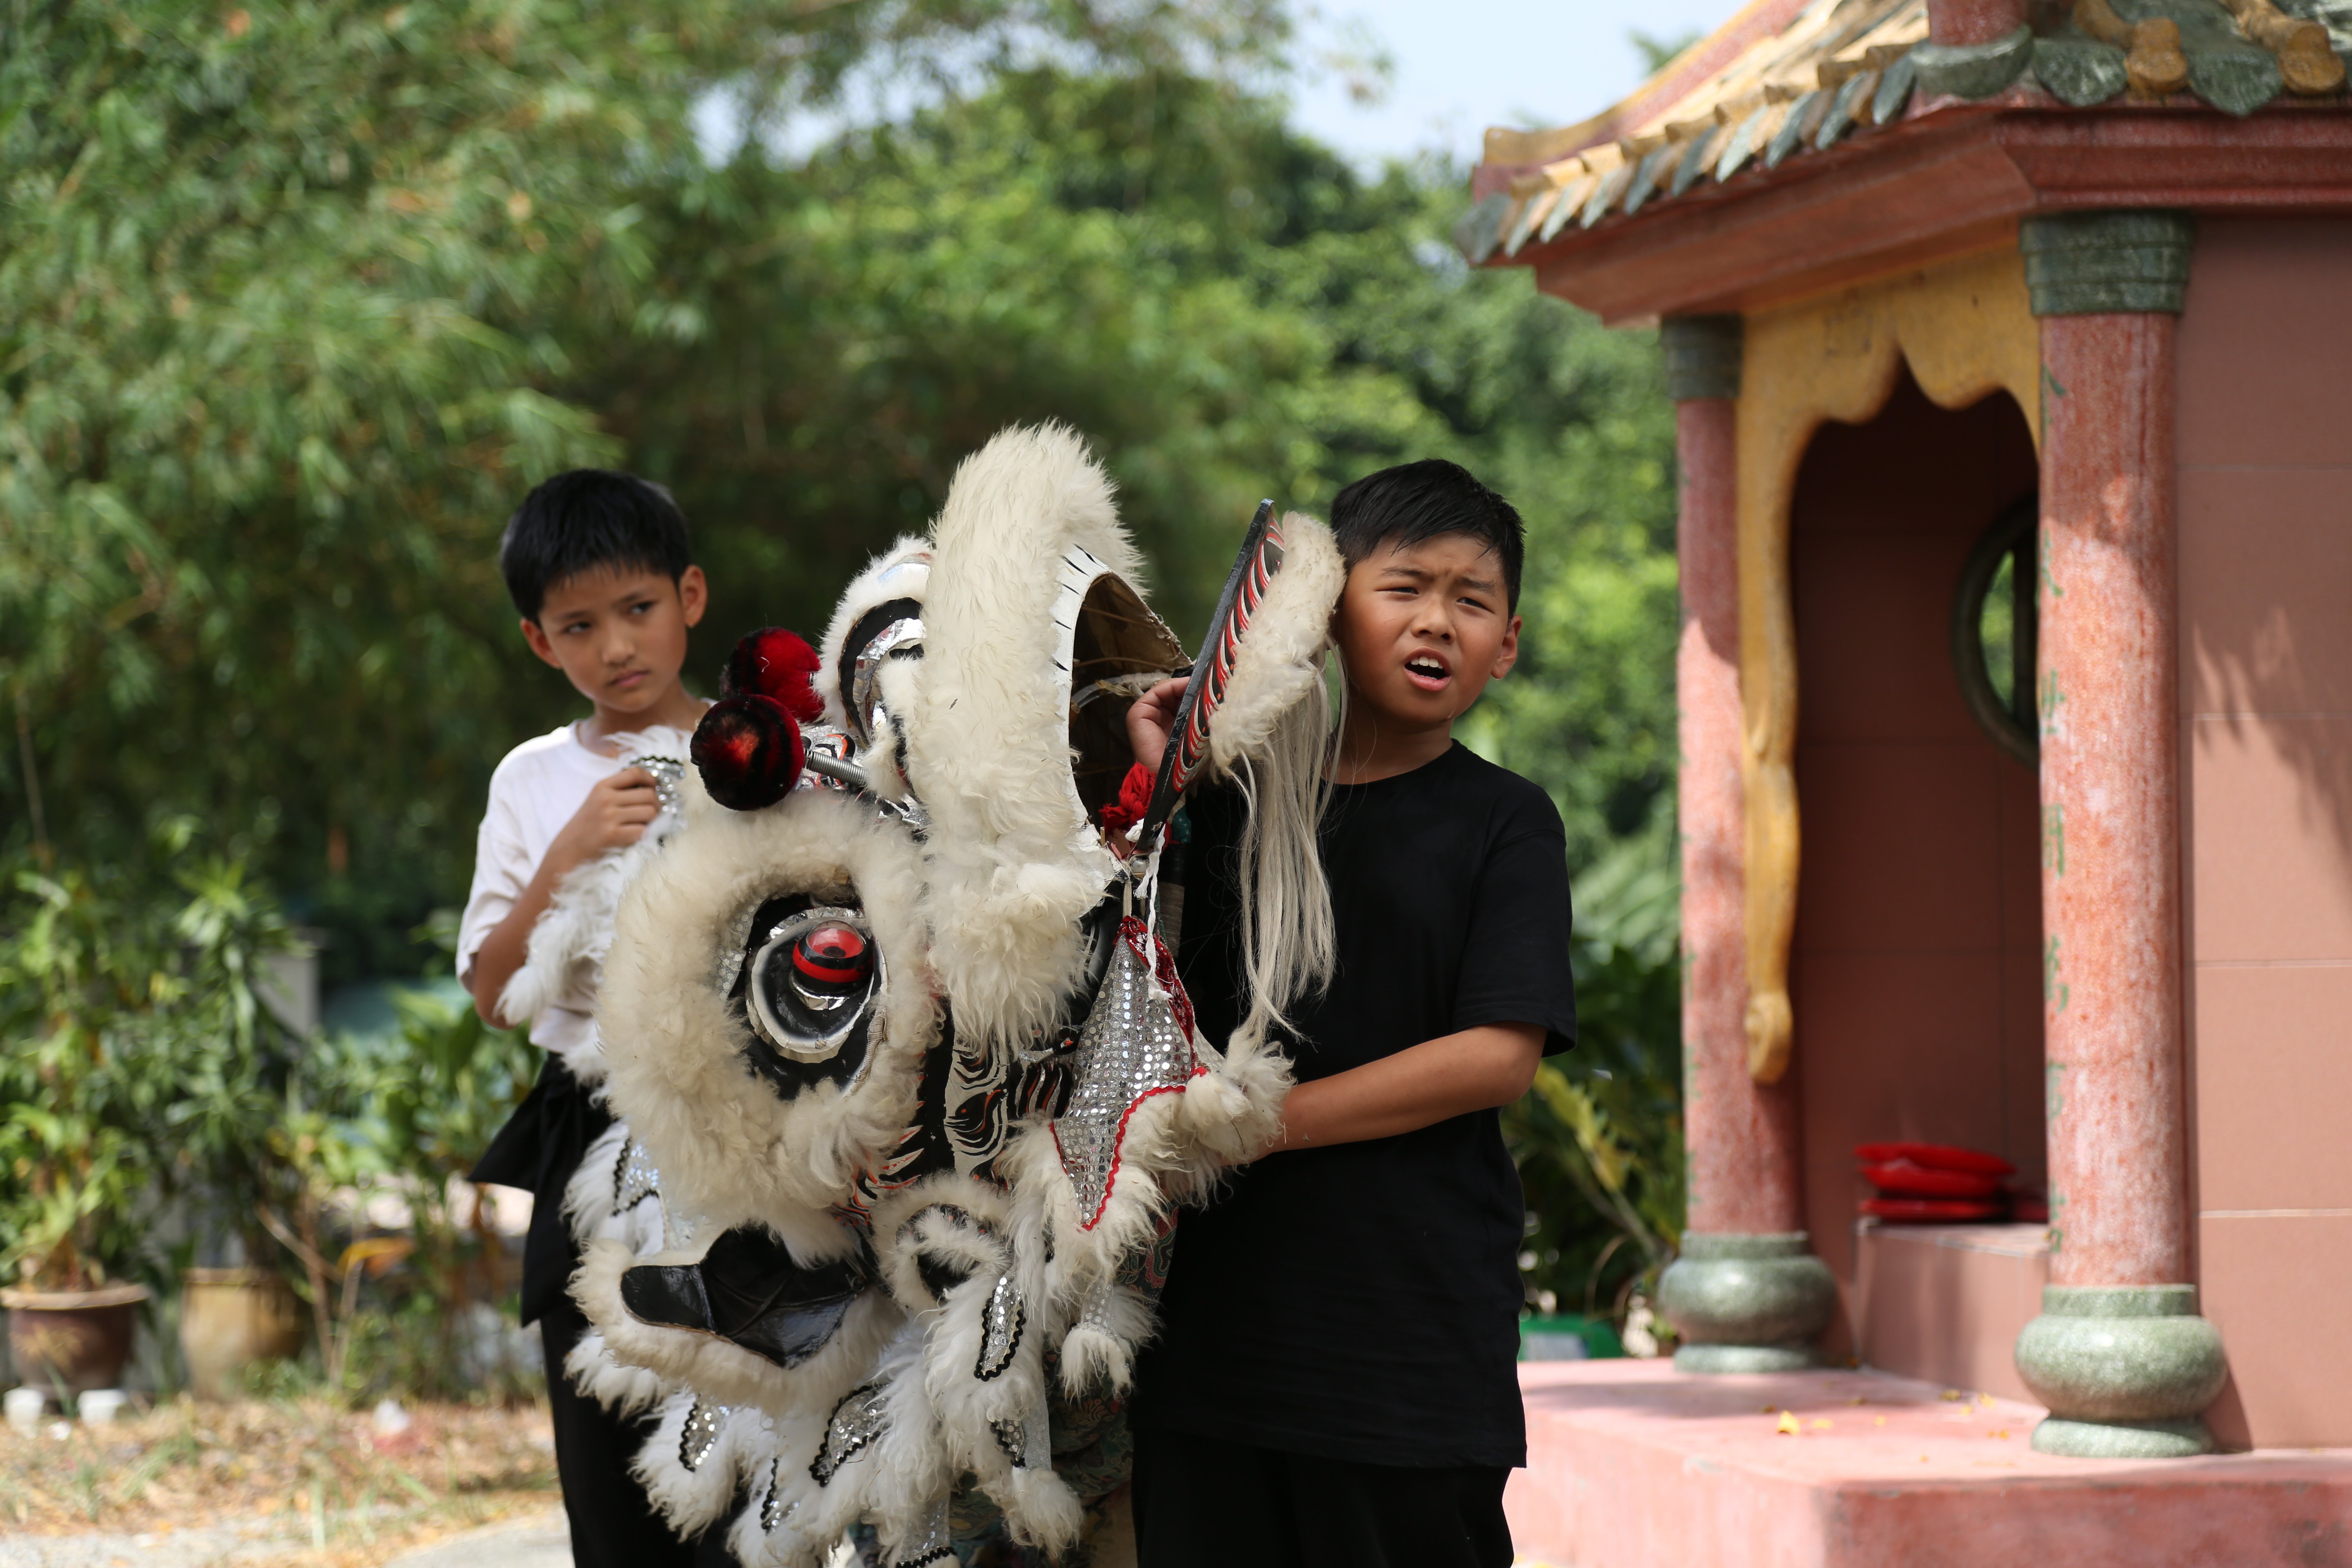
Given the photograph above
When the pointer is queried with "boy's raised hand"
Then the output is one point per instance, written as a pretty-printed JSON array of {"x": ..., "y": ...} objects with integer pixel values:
[
  {"x": 1150, "y": 718},
  {"x": 616, "y": 815}
]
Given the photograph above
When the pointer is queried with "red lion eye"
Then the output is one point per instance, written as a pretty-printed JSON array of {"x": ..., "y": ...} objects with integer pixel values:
[{"x": 832, "y": 955}]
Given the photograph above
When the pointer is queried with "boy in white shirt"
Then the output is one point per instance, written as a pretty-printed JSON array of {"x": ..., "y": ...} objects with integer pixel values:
[{"x": 598, "y": 565}]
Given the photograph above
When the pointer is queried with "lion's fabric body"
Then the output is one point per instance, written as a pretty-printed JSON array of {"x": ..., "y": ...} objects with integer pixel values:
[{"x": 906, "y": 1083}]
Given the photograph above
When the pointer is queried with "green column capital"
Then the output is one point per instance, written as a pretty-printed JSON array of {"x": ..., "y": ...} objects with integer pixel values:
[
  {"x": 2080, "y": 264},
  {"x": 1702, "y": 355}
]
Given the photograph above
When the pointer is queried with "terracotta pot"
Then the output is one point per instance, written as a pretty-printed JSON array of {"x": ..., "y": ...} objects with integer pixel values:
[
  {"x": 231, "y": 1319},
  {"x": 73, "y": 1340}
]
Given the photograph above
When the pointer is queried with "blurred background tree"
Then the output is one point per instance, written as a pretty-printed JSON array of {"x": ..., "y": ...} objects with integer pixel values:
[{"x": 296, "y": 301}]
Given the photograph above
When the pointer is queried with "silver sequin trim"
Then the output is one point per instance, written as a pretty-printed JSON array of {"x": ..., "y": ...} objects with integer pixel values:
[
  {"x": 1131, "y": 1046},
  {"x": 1096, "y": 1314},
  {"x": 900, "y": 638},
  {"x": 856, "y": 1421},
  {"x": 928, "y": 1546},
  {"x": 733, "y": 946},
  {"x": 1041, "y": 1439},
  {"x": 1000, "y": 1328},
  {"x": 700, "y": 1434},
  {"x": 1013, "y": 1438},
  {"x": 773, "y": 1506},
  {"x": 635, "y": 1179},
  {"x": 668, "y": 771}
]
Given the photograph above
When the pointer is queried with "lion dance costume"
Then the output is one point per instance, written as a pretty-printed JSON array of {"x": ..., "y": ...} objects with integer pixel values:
[{"x": 905, "y": 1081}]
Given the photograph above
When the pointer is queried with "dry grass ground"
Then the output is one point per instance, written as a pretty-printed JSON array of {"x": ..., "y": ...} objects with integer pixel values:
[{"x": 302, "y": 1481}]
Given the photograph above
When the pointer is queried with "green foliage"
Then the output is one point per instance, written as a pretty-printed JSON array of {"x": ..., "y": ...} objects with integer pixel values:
[
  {"x": 271, "y": 371},
  {"x": 285, "y": 295},
  {"x": 401, "y": 1117},
  {"x": 140, "y": 1060},
  {"x": 295, "y": 304},
  {"x": 1227, "y": 309},
  {"x": 1598, "y": 1139},
  {"x": 415, "y": 1110},
  {"x": 150, "y": 1091}
]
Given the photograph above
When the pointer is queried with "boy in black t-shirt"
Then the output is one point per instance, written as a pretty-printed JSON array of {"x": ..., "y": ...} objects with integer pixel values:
[{"x": 1334, "y": 1379}]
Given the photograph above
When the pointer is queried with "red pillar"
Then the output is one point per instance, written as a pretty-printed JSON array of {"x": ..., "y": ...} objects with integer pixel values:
[
  {"x": 1962, "y": 23},
  {"x": 1742, "y": 1135},
  {"x": 2119, "y": 1352},
  {"x": 1746, "y": 1294},
  {"x": 2111, "y": 803}
]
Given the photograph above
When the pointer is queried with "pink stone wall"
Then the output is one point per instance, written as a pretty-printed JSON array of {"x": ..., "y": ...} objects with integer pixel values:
[
  {"x": 1945, "y": 1303},
  {"x": 1916, "y": 970},
  {"x": 2265, "y": 448}
]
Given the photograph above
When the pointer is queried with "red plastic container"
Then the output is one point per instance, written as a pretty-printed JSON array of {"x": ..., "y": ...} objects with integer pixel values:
[
  {"x": 1936, "y": 1157},
  {"x": 1916, "y": 1211}
]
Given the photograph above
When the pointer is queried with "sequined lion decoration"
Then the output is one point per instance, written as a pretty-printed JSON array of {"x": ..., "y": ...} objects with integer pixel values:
[{"x": 907, "y": 1081}]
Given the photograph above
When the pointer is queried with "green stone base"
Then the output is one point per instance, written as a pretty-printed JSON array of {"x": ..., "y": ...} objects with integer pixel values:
[
  {"x": 2122, "y": 1440},
  {"x": 2124, "y": 1370},
  {"x": 1746, "y": 1303},
  {"x": 1705, "y": 1360}
]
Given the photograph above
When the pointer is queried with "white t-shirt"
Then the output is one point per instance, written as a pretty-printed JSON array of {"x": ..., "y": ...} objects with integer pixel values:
[{"x": 536, "y": 791}]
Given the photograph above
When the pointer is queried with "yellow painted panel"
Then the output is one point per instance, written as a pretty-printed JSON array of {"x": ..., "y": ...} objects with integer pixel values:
[{"x": 1966, "y": 330}]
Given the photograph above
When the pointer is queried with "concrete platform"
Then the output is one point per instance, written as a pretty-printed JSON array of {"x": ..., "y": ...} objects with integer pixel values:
[{"x": 1632, "y": 1465}]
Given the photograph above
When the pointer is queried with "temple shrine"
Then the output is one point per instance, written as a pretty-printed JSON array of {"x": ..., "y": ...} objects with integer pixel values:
[{"x": 2014, "y": 412}]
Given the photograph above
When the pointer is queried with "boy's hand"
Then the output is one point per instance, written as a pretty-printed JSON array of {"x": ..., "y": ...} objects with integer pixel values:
[
  {"x": 1149, "y": 719},
  {"x": 614, "y": 815}
]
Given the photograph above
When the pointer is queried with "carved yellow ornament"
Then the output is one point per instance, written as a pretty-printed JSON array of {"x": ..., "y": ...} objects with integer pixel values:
[{"x": 1965, "y": 328}]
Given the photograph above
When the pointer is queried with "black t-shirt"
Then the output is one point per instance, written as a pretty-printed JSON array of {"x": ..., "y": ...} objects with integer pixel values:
[{"x": 1361, "y": 1301}]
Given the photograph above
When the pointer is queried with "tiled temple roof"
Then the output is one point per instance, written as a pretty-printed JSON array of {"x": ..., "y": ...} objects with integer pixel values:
[{"x": 1786, "y": 78}]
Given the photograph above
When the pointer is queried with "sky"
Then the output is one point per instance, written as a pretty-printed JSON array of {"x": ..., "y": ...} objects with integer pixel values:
[
  {"x": 1459, "y": 66},
  {"x": 1453, "y": 68}
]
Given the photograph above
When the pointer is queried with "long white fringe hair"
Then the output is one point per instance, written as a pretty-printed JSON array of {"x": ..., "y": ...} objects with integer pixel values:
[{"x": 1275, "y": 739}]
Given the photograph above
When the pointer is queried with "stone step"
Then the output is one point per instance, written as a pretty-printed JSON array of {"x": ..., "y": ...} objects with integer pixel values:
[{"x": 1632, "y": 1465}]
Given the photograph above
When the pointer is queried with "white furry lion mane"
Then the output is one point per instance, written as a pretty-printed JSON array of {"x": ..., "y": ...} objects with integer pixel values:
[
  {"x": 731, "y": 1151},
  {"x": 1014, "y": 861}
]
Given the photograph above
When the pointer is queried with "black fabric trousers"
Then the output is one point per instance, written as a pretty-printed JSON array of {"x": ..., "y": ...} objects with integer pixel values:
[
  {"x": 613, "y": 1524},
  {"x": 1202, "y": 1502}
]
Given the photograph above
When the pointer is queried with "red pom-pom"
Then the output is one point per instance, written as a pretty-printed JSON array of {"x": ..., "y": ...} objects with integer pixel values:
[
  {"x": 748, "y": 751},
  {"x": 779, "y": 665}
]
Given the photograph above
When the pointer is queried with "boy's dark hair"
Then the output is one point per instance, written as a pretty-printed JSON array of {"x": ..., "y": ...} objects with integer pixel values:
[
  {"x": 587, "y": 519},
  {"x": 1414, "y": 502}
]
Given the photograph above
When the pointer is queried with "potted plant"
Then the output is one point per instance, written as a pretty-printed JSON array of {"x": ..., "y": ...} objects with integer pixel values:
[
  {"x": 231, "y": 1054},
  {"x": 142, "y": 1068},
  {"x": 78, "y": 978}
]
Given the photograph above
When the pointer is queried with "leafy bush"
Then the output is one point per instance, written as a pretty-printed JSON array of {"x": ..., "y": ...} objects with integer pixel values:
[
  {"x": 141, "y": 1063},
  {"x": 403, "y": 1116},
  {"x": 288, "y": 296},
  {"x": 1599, "y": 1138},
  {"x": 150, "y": 1092}
]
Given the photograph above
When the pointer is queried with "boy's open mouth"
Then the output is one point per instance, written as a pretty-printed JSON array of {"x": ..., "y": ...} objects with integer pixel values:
[{"x": 1427, "y": 671}]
